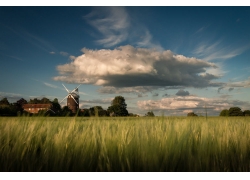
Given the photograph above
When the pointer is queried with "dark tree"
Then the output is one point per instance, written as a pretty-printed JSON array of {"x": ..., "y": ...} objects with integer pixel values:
[
  {"x": 56, "y": 107},
  {"x": 246, "y": 113},
  {"x": 66, "y": 111},
  {"x": 224, "y": 112},
  {"x": 192, "y": 114},
  {"x": 4, "y": 102},
  {"x": 117, "y": 110},
  {"x": 97, "y": 111},
  {"x": 119, "y": 100},
  {"x": 235, "y": 111},
  {"x": 150, "y": 114},
  {"x": 118, "y": 107}
]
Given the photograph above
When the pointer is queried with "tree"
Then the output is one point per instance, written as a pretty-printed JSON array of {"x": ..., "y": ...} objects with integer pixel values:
[
  {"x": 66, "y": 111},
  {"x": 56, "y": 107},
  {"x": 117, "y": 110},
  {"x": 4, "y": 102},
  {"x": 246, "y": 113},
  {"x": 235, "y": 111},
  {"x": 119, "y": 100},
  {"x": 192, "y": 114},
  {"x": 224, "y": 112},
  {"x": 97, "y": 111},
  {"x": 150, "y": 114},
  {"x": 118, "y": 107}
]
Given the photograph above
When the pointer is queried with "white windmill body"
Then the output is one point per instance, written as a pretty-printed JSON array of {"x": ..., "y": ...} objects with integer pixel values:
[{"x": 72, "y": 99}]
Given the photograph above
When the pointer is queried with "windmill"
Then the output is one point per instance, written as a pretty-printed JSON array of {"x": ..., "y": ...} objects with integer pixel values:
[{"x": 72, "y": 99}]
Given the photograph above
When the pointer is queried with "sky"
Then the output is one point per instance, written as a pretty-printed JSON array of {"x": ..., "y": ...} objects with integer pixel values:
[{"x": 167, "y": 59}]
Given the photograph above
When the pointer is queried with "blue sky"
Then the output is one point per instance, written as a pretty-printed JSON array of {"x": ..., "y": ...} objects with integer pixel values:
[{"x": 170, "y": 60}]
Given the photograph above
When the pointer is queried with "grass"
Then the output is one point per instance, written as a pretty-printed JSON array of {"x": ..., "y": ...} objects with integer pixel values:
[{"x": 125, "y": 144}]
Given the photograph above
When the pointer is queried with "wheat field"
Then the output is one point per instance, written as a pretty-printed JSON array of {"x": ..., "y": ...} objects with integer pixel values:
[{"x": 142, "y": 144}]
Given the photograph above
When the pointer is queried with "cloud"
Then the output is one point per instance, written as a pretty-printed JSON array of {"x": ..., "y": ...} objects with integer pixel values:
[
  {"x": 230, "y": 89},
  {"x": 12, "y": 97},
  {"x": 111, "y": 22},
  {"x": 72, "y": 57},
  {"x": 64, "y": 53},
  {"x": 95, "y": 102},
  {"x": 181, "y": 92},
  {"x": 165, "y": 95},
  {"x": 214, "y": 51},
  {"x": 52, "y": 52},
  {"x": 50, "y": 85},
  {"x": 127, "y": 66},
  {"x": 146, "y": 41},
  {"x": 139, "y": 90},
  {"x": 182, "y": 105}
]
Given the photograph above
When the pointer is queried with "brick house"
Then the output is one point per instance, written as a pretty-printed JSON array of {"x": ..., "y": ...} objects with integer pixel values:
[{"x": 34, "y": 108}]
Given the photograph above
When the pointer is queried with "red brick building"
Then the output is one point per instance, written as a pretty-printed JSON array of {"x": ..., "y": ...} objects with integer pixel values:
[{"x": 34, "y": 108}]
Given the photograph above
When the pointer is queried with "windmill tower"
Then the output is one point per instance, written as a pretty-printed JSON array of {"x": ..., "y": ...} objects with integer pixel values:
[{"x": 72, "y": 99}]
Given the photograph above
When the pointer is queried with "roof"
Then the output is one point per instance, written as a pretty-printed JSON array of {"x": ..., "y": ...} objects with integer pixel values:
[{"x": 37, "y": 106}]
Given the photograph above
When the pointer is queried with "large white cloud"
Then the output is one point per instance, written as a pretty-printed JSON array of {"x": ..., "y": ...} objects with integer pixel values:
[{"x": 127, "y": 66}]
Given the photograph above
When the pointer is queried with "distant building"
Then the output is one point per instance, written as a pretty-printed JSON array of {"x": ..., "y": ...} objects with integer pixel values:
[{"x": 35, "y": 108}]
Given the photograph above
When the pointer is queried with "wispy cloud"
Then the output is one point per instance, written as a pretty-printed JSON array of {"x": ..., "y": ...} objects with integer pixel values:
[
  {"x": 116, "y": 26},
  {"x": 111, "y": 22},
  {"x": 64, "y": 53},
  {"x": 50, "y": 85},
  {"x": 216, "y": 51},
  {"x": 13, "y": 57},
  {"x": 147, "y": 41},
  {"x": 31, "y": 38}
]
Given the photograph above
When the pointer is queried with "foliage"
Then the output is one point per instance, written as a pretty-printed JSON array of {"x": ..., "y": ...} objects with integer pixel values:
[
  {"x": 133, "y": 115},
  {"x": 56, "y": 107},
  {"x": 192, "y": 114},
  {"x": 38, "y": 101},
  {"x": 4, "y": 102},
  {"x": 150, "y": 114},
  {"x": 224, "y": 112},
  {"x": 235, "y": 111},
  {"x": 120, "y": 101},
  {"x": 117, "y": 110},
  {"x": 97, "y": 111},
  {"x": 246, "y": 113},
  {"x": 66, "y": 111},
  {"x": 118, "y": 107}
]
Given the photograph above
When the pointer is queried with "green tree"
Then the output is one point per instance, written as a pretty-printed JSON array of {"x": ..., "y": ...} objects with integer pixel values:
[
  {"x": 224, "y": 112},
  {"x": 118, "y": 107},
  {"x": 192, "y": 114},
  {"x": 56, "y": 107},
  {"x": 4, "y": 102},
  {"x": 117, "y": 110},
  {"x": 66, "y": 111},
  {"x": 246, "y": 113},
  {"x": 119, "y": 100},
  {"x": 97, "y": 111},
  {"x": 150, "y": 114},
  {"x": 235, "y": 111}
]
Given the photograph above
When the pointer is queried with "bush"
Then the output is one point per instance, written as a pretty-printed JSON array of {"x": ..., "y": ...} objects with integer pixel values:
[
  {"x": 224, "y": 112},
  {"x": 235, "y": 111},
  {"x": 192, "y": 114}
]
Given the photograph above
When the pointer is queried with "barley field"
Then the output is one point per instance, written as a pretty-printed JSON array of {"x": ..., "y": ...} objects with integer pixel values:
[{"x": 143, "y": 144}]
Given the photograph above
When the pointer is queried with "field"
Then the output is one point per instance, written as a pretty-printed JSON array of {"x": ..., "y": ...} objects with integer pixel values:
[{"x": 125, "y": 144}]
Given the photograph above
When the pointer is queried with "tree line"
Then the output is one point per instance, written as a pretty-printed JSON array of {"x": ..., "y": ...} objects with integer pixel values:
[
  {"x": 118, "y": 108},
  {"x": 234, "y": 111}
]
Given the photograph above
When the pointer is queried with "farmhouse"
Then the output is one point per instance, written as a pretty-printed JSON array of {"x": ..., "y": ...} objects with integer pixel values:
[{"x": 35, "y": 108}]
